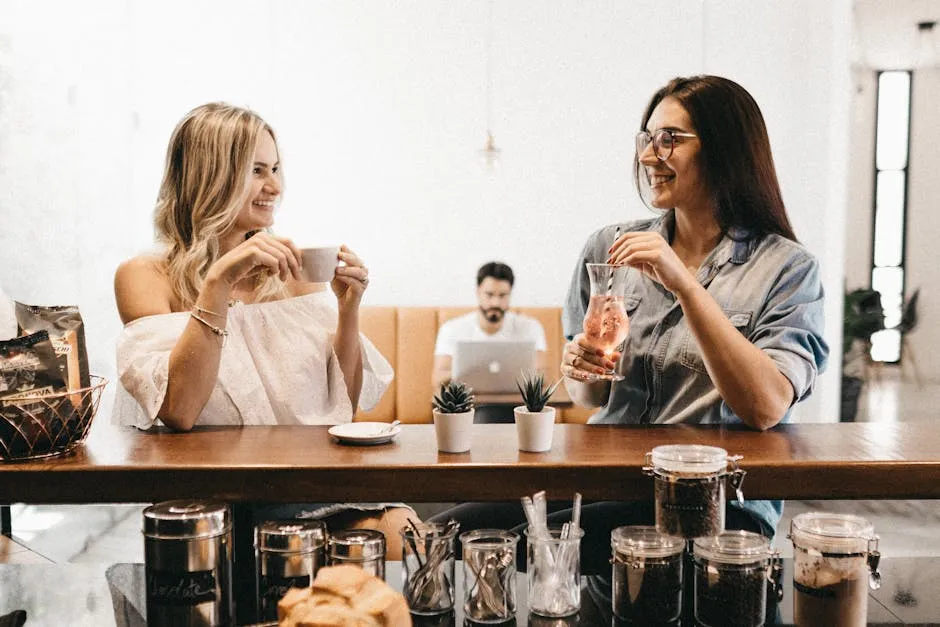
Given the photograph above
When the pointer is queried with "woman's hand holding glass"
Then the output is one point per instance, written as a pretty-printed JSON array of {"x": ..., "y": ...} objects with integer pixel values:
[{"x": 583, "y": 362}]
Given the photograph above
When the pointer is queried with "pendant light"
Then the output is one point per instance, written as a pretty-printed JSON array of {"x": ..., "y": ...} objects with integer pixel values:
[
  {"x": 926, "y": 54},
  {"x": 490, "y": 153}
]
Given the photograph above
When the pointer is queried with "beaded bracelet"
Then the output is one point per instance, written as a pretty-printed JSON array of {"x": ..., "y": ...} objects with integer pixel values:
[{"x": 222, "y": 333}]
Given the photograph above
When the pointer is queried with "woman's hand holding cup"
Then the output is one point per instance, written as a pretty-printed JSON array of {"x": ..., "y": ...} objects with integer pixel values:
[
  {"x": 350, "y": 280},
  {"x": 583, "y": 362},
  {"x": 262, "y": 253}
]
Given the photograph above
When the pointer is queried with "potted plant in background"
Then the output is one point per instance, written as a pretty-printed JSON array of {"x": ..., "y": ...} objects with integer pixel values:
[
  {"x": 534, "y": 420},
  {"x": 863, "y": 316},
  {"x": 452, "y": 409}
]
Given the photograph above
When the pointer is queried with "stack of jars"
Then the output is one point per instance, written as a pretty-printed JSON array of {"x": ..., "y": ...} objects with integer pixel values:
[{"x": 733, "y": 569}]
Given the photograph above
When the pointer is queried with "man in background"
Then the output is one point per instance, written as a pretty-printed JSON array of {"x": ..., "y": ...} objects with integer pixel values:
[{"x": 492, "y": 321}]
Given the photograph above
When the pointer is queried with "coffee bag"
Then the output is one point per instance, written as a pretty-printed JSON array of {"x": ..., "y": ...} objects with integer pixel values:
[
  {"x": 28, "y": 366},
  {"x": 29, "y": 426},
  {"x": 67, "y": 333}
]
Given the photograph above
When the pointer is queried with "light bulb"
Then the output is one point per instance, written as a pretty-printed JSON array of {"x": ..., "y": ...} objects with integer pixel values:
[{"x": 489, "y": 155}]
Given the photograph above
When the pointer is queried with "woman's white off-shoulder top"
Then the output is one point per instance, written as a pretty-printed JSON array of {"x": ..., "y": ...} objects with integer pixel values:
[{"x": 277, "y": 367}]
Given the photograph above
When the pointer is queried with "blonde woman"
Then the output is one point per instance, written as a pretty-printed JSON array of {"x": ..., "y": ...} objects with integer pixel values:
[{"x": 219, "y": 327}]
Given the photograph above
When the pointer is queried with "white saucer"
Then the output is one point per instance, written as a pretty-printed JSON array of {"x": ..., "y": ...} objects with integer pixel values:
[{"x": 365, "y": 432}]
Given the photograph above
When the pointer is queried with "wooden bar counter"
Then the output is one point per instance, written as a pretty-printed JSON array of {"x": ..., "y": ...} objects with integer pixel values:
[{"x": 304, "y": 464}]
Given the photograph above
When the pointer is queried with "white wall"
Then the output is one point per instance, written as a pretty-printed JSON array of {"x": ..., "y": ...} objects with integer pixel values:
[
  {"x": 380, "y": 111},
  {"x": 923, "y": 220}
]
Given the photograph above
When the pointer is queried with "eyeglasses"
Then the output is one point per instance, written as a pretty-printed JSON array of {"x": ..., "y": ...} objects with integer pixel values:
[{"x": 663, "y": 140}]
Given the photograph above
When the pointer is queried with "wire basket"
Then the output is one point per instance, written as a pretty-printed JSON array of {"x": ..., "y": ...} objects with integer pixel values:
[{"x": 33, "y": 426}]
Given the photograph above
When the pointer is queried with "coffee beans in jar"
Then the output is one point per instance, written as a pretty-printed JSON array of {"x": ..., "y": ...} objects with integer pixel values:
[
  {"x": 732, "y": 571},
  {"x": 646, "y": 582},
  {"x": 689, "y": 487}
]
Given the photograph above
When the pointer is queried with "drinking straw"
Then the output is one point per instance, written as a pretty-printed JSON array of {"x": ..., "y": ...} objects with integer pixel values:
[
  {"x": 576, "y": 511},
  {"x": 610, "y": 279},
  {"x": 541, "y": 509},
  {"x": 535, "y": 513},
  {"x": 529, "y": 507}
]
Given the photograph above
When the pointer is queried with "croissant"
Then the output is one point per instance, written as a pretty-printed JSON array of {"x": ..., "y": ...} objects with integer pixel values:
[{"x": 343, "y": 596}]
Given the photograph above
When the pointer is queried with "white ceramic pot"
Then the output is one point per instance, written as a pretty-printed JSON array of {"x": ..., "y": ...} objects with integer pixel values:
[
  {"x": 453, "y": 431},
  {"x": 535, "y": 429}
]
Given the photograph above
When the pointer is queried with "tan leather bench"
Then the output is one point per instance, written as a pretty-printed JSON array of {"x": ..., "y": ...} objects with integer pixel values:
[{"x": 406, "y": 336}]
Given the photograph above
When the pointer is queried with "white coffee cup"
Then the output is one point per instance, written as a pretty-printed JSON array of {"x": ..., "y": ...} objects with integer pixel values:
[
  {"x": 319, "y": 264},
  {"x": 535, "y": 429},
  {"x": 454, "y": 431}
]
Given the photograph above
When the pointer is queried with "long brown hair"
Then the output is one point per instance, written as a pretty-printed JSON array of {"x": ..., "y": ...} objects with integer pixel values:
[{"x": 735, "y": 157}]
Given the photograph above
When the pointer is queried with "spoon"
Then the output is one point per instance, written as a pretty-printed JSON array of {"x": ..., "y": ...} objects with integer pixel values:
[{"x": 391, "y": 426}]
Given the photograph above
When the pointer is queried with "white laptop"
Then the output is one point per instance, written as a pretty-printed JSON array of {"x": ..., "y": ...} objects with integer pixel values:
[{"x": 492, "y": 367}]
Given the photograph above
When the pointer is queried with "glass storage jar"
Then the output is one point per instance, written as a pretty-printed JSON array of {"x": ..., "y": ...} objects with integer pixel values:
[
  {"x": 835, "y": 561},
  {"x": 489, "y": 566},
  {"x": 646, "y": 581},
  {"x": 732, "y": 571},
  {"x": 689, "y": 486},
  {"x": 428, "y": 567},
  {"x": 553, "y": 569}
]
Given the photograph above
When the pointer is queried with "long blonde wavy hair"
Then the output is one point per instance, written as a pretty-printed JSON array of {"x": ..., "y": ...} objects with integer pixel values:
[{"x": 205, "y": 184}]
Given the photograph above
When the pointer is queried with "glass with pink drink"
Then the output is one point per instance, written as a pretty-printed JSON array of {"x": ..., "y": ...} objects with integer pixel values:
[{"x": 606, "y": 324}]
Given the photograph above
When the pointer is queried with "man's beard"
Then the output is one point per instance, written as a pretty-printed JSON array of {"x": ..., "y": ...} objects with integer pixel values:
[{"x": 493, "y": 314}]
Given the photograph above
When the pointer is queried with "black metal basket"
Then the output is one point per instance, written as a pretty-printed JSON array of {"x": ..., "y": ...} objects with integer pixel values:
[{"x": 33, "y": 426}]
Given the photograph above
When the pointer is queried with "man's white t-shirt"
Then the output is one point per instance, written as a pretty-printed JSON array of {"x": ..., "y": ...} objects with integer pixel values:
[{"x": 516, "y": 327}]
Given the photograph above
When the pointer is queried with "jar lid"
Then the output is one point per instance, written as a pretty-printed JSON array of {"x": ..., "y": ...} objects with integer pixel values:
[
  {"x": 290, "y": 536},
  {"x": 691, "y": 459},
  {"x": 187, "y": 519},
  {"x": 357, "y": 544},
  {"x": 488, "y": 539},
  {"x": 645, "y": 541},
  {"x": 424, "y": 530},
  {"x": 832, "y": 533},
  {"x": 733, "y": 547}
]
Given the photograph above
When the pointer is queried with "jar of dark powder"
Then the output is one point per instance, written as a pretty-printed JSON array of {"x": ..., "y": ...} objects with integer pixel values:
[
  {"x": 689, "y": 482},
  {"x": 646, "y": 582},
  {"x": 835, "y": 561},
  {"x": 732, "y": 571}
]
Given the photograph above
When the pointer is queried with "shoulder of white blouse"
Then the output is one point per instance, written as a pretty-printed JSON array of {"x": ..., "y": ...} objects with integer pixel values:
[{"x": 165, "y": 320}]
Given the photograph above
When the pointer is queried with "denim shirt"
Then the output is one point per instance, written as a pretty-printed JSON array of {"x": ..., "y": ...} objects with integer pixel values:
[{"x": 768, "y": 287}]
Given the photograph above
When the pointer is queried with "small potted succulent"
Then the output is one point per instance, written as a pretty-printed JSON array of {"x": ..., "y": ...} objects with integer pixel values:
[
  {"x": 453, "y": 407},
  {"x": 534, "y": 420}
]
